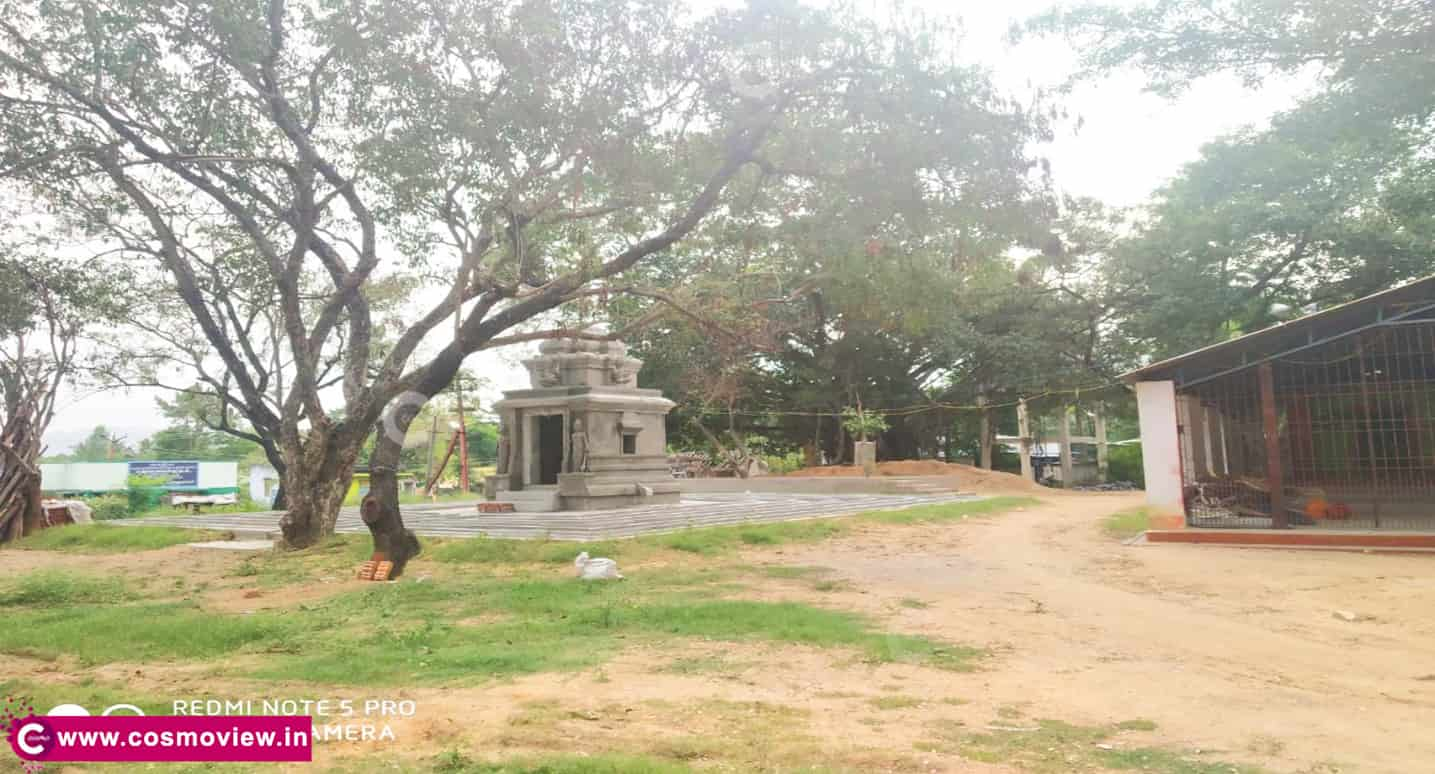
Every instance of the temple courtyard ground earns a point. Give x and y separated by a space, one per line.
1002 635
461 519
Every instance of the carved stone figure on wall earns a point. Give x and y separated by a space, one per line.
548 374
505 448
578 448
621 371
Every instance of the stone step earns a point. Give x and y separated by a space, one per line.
531 500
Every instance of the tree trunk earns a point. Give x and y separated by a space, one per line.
313 510
34 514
380 509
317 479
276 461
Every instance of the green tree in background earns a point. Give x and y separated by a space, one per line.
1331 201
101 445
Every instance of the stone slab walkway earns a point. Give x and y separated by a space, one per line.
463 519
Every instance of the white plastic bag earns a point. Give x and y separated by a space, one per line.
596 569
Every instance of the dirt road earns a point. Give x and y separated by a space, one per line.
1246 652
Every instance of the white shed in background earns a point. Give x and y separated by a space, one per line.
263 484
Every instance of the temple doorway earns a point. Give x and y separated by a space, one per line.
550 448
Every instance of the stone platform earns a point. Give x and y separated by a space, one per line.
460 520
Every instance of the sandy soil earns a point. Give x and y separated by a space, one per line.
1237 651
1243 654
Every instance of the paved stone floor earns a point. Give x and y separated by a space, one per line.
463 519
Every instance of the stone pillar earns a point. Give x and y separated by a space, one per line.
864 454
1161 453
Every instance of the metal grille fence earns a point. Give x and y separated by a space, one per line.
1339 435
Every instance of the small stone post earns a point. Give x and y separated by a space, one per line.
864 454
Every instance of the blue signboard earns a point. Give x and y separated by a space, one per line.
175 474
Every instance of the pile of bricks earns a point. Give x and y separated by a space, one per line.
376 569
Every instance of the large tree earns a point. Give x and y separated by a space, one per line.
1328 202
46 302
516 156
1377 46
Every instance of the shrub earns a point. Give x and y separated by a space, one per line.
1125 464
110 506
144 493
781 464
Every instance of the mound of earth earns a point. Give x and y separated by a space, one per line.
971 477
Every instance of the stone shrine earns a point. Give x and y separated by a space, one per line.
584 436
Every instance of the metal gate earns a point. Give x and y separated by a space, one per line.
1333 435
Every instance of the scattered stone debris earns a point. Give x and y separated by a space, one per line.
1346 615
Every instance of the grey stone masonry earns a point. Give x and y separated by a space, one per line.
586 430
460 520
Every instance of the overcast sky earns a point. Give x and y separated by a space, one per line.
1129 144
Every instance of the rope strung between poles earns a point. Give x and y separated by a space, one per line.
906 411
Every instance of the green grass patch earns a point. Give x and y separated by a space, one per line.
1127 524
1055 747
400 633
939 512
93 696
48 588
461 627
713 541
404 633
139 632
709 541
500 551
107 539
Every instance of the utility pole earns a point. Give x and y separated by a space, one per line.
462 440
433 434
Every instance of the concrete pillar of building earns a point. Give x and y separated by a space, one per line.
1161 453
